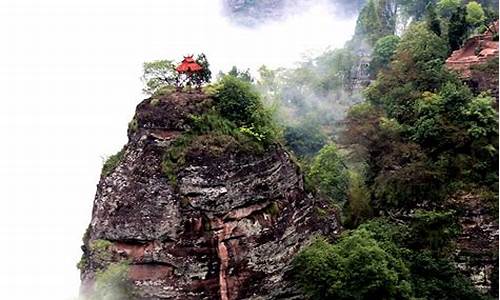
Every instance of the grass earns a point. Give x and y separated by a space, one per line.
112 162
100 249
211 135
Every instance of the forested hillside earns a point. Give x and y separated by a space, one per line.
414 169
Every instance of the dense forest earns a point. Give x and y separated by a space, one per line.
419 140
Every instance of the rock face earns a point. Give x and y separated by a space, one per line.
477 245
476 50
227 229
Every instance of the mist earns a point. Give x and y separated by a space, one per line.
69 78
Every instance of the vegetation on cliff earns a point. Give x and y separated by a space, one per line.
421 137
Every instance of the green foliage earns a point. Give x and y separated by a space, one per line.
433 230
481 119
205 74
409 268
112 162
446 8
358 208
437 278
237 100
475 13
82 264
159 74
100 249
356 267
457 28
383 52
330 174
304 139
240 103
432 20
373 23
417 66
240 74
113 283
212 135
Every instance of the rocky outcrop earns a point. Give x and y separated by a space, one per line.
477 245
475 51
227 229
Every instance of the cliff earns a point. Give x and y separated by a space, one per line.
226 227
477 62
475 51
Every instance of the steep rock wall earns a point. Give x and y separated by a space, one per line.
227 229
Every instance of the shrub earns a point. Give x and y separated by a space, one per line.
358 207
237 101
304 139
210 135
112 162
357 267
329 173
100 249
113 283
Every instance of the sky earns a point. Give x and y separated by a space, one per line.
69 83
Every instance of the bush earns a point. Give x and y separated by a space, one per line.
113 283
304 140
329 173
210 135
358 207
357 267
112 162
382 260
237 101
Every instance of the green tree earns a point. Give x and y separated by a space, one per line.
305 140
237 100
446 8
432 20
383 52
475 14
330 174
457 28
369 24
205 74
358 208
240 74
356 267
417 67
158 75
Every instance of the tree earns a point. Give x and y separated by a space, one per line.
237 100
356 267
475 14
158 75
240 74
416 67
457 28
383 52
445 8
432 20
358 207
205 74
330 174
305 140
368 23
